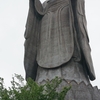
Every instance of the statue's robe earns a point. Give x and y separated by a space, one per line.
47 30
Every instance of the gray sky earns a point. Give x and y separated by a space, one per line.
13 15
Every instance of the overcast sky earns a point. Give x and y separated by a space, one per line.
13 15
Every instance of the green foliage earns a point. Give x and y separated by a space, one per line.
31 90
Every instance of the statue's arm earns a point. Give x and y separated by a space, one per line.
80 24
30 19
78 7
31 36
35 12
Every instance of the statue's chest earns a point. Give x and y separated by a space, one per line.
56 36
57 17
54 5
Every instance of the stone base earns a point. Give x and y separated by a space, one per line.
80 91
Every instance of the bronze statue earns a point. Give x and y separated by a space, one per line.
57 42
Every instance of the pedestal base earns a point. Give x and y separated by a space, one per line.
79 91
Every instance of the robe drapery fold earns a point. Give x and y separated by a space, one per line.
36 32
56 45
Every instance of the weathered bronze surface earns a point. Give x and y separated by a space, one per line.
57 42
